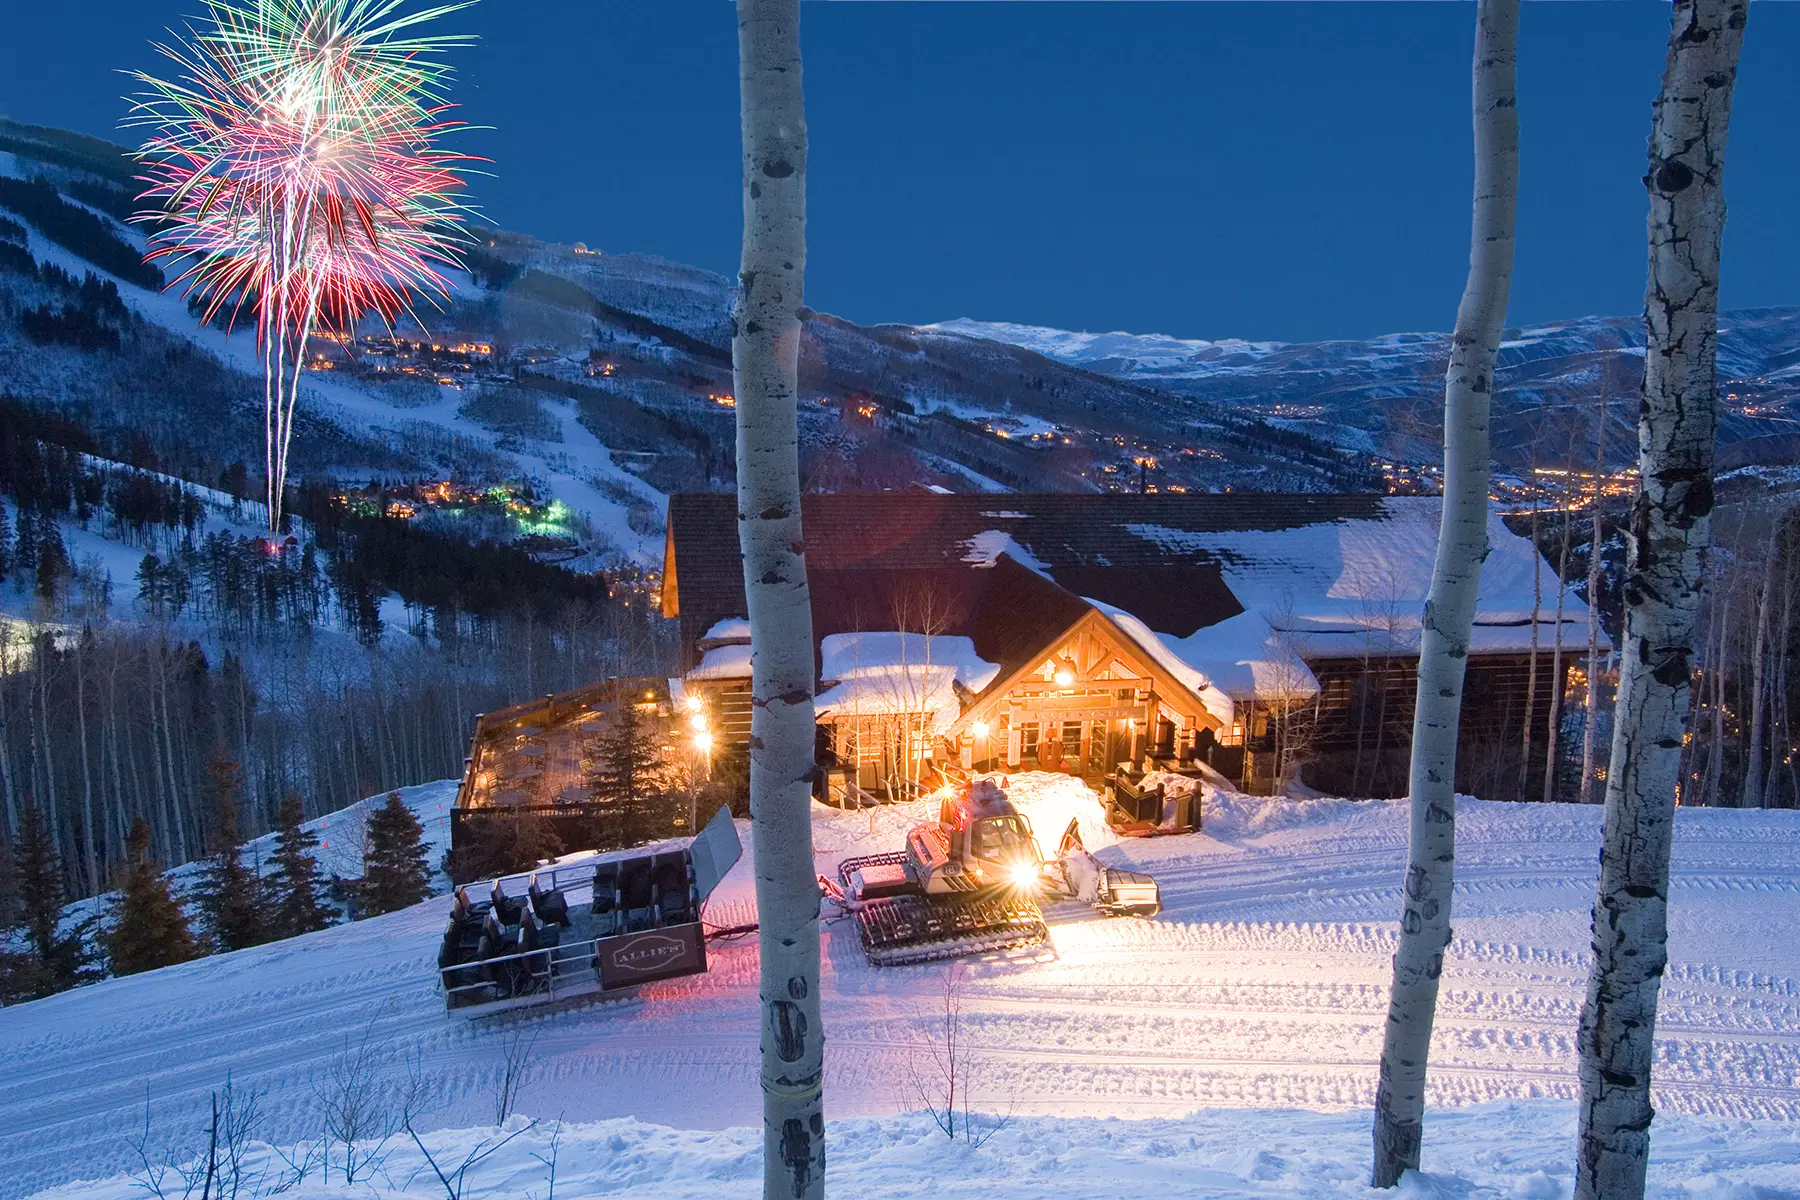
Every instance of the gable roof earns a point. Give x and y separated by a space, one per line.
1325 575
1086 538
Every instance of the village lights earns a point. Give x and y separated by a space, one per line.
703 741
697 721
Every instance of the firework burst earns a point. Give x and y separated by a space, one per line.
293 166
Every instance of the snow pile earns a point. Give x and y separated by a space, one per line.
1232 816
1050 800
1519 1149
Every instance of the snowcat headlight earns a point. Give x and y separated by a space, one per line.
1022 875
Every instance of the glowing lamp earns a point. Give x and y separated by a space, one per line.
1065 677
697 722
703 742
980 729
1022 875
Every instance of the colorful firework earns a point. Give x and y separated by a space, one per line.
293 167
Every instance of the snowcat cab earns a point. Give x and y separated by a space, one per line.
980 841
971 882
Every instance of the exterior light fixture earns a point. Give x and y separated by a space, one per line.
703 742
697 721
980 729
1065 677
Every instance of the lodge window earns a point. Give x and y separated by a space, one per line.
1028 739
1071 740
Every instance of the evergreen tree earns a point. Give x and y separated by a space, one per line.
394 870
627 764
293 888
149 928
229 891
53 567
54 960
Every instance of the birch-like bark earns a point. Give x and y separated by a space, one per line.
1670 529
1450 605
765 354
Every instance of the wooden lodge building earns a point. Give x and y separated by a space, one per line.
1271 636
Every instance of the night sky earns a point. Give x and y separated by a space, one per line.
1273 170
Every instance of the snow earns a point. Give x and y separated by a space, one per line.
723 662
1518 1150
888 673
986 547
1154 352
574 466
1345 587
730 627
1259 992
1187 670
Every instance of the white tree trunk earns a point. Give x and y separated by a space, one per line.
765 352
1670 528
1450 606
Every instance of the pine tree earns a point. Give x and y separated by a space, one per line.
54 960
53 567
150 930
229 891
394 871
626 762
294 886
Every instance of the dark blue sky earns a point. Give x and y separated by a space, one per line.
1263 170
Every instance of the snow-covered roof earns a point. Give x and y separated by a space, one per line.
1198 679
730 629
723 662
1347 588
884 673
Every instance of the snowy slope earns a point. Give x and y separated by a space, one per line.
1518 1150
573 468
1262 986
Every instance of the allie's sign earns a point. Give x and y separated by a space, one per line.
653 954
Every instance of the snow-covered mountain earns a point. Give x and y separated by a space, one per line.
611 389
1363 394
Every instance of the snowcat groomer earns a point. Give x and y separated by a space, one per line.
972 882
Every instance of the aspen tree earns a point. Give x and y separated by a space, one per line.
1670 528
1450 605
765 354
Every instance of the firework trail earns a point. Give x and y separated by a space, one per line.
293 166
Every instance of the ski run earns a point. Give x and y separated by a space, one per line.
1225 1049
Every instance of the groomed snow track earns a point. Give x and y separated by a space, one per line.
1262 984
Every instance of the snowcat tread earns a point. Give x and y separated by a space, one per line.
899 931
